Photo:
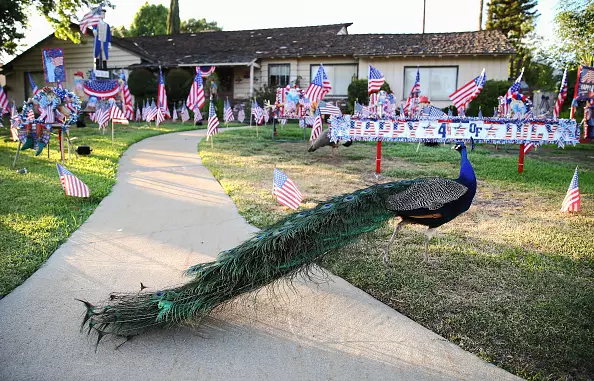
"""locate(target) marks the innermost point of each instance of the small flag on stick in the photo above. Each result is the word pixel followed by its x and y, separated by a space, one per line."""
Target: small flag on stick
pixel 285 190
pixel 71 184
pixel 571 203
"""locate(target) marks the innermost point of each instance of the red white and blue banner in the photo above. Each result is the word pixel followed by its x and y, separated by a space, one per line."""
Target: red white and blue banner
pixel 485 130
pixel 205 71
pixel 101 88
pixel 584 86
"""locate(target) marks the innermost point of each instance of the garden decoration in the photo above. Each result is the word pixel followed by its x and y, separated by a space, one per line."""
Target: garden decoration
pixel 286 250
pixel 55 107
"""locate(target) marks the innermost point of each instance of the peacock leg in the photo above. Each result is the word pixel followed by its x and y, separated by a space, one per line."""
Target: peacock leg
pixel 428 235
pixel 387 251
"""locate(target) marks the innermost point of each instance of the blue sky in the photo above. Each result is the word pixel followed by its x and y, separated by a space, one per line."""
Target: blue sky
pixel 400 16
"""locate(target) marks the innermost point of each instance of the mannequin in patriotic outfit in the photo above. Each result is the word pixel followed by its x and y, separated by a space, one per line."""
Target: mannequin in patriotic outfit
pixel 102 34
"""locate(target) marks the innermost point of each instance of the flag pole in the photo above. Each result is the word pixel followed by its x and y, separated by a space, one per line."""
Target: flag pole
pixel 112 132
pixel 16 157
pixel 521 159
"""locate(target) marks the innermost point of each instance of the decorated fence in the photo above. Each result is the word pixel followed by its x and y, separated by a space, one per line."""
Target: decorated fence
pixel 486 130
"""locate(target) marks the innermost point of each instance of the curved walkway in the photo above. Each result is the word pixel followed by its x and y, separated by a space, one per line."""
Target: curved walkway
pixel 165 213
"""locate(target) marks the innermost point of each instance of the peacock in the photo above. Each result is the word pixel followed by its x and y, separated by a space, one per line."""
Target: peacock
pixel 285 250
pixel 324 140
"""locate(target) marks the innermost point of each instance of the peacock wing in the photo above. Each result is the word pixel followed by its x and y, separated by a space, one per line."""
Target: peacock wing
pixel 429 194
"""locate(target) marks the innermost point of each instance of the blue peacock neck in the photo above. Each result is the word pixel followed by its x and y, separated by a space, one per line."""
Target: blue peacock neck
pixel 467 176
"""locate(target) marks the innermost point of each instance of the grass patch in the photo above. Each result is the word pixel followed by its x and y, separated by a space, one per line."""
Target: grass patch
pixel 35 215
pixel 515 279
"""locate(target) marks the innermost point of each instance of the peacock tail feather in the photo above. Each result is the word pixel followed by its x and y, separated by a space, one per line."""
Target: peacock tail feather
pixel 281 251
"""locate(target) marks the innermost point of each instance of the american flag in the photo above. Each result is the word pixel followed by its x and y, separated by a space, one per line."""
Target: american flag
pixel 127 97
pixel 159 116
pixel 90 20
pixel 162 95
pixel 228 112
pixel 328 108
pixel 316 129
pixel 285 190
pixel 151 114
pixel 34 88
pixel 15 118
pixel 433 112
pixel 361 111
pixel 319 87
pixel 3 102
pixel 196 96
pixel 145 109
pixel 185 114
pixel 465 94
pixel 265 114
pixel 375 80
pixel 138 114
pixel 197 115
pixel 117 115
pixel 175 116
pixel 571 203
pixel 412 101
pixel 47 115
pixel 213 121
pixel 102 116
pixel 512 92
pixel 30 114
pixel 257 113
pixel 241 114
pixel 71 184
pixel 562 95
pixel 528 146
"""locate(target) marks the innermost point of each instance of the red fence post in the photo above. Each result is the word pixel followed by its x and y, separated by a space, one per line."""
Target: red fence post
pixel 521 159
pixel 378 158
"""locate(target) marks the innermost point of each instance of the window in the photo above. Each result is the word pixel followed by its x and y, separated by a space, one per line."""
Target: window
pixel 278 75
pixel 437 83
pixel 339 75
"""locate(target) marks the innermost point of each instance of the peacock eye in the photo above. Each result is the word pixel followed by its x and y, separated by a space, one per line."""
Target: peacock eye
pixel 388 185
pixel 326 206
pixel 301 214
pixel 349 198
pixel 365 191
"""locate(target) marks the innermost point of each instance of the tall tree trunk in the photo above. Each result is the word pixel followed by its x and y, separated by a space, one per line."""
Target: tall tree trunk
pixel 173 22
pixel 481 14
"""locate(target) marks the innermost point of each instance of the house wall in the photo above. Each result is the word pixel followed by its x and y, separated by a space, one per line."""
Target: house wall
pixel 496 67
pixel 77 57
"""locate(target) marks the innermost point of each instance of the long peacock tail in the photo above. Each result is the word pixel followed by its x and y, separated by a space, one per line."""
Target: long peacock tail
pixel 281 251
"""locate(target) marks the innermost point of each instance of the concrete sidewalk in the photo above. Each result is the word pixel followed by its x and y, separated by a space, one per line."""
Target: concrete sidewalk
pixel 165 213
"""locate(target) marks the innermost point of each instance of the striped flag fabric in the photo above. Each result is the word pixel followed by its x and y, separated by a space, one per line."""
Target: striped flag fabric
pixel 185 114
pixel 196 97
pixel 102 117
pixel 571 202
pixel 561 97
pixel 528 146
pixel 30 115
pixel 116 115
pixel 361 111
pixel 3 102
pixel 433 112
pixel 375 80
pixel 15 118
pixel 412 102
pixel 145 109
pixel 34 88
pixel 316 129
pixel 228 112
pixel 327 108
pixel 71 184
pixel 257 112
pixel 285 190
pixel 465 94
pixel 90 19
pixel 319 86
pixel 241 114
pixel 138 114
pixel 197 115
pixel 159 116
pixel 127 98
pixel 162 95
pixel 47 115
pixel 175 116
pixel 213 121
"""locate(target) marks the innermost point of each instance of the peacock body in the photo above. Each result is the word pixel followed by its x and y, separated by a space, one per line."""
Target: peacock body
pixel 285 250
pixel 324 140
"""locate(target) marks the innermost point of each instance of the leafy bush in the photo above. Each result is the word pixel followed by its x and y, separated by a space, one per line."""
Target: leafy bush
pixel 487 99
pixel 178 83
pixel 358 91
pixel 143 85
pixel 265 93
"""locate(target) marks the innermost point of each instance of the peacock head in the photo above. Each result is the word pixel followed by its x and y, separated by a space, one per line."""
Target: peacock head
pixel 460 146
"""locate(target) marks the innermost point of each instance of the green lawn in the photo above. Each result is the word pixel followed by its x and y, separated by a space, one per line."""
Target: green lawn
pixel 514 281
pixel 35 215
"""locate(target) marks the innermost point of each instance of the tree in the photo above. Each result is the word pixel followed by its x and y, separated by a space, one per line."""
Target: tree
pixel 14 18
pixel 173 23
pixel 150 20
pixel 487 100
pixel 575 28
pixel 194 26
pixel 515 19
pixel 481 7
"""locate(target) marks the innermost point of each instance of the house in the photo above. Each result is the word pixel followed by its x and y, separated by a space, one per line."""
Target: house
pixel 248 59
